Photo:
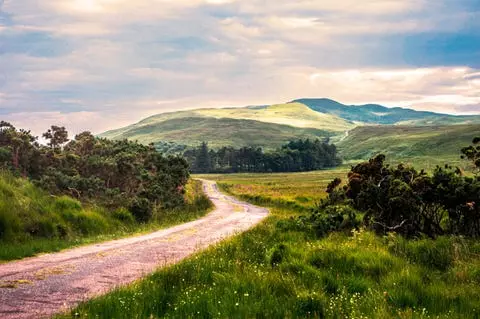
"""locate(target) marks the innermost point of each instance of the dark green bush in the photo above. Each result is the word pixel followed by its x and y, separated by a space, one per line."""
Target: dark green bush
pixel 142 209
pixel 332 218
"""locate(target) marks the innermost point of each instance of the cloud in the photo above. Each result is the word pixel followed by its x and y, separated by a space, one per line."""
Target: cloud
pixel 99 64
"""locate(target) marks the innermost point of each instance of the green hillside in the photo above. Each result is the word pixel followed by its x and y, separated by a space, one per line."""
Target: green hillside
pixel 271 126
pixel 217 131
pixel 378 114
pixel 293 114
pixel 426 144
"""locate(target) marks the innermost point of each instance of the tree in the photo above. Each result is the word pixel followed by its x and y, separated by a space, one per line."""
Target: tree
pixel 57 136
pixel 203 162
pixel 472 152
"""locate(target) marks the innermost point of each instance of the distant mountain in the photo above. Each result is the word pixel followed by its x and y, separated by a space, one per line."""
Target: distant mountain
pixel 378 114
pixel 270 126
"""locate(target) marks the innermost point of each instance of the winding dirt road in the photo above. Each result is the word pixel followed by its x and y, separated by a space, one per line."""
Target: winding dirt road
pixel 39 287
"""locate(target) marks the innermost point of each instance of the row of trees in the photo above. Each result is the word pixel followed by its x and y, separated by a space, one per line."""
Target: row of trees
pixel 116 173
pixel 412 202
pixel 296 156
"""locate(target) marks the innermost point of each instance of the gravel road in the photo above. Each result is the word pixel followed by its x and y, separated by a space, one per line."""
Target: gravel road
pixel 42 286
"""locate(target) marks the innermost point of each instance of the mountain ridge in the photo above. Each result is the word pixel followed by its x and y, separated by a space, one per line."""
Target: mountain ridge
pixel 269 126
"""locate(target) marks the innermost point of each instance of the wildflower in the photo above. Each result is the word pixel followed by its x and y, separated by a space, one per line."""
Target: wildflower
pixel 237 304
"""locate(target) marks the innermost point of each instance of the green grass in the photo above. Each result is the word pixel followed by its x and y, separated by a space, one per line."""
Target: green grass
pixel 278 271
pixel 32 222
pixel 424 147
pixel 282 190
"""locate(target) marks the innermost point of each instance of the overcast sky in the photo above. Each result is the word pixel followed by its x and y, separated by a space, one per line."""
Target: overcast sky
pixel 101 64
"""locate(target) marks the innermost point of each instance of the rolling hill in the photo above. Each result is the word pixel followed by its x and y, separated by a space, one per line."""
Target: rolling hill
pixel 426 145
pixel 218 132
pixel 372 128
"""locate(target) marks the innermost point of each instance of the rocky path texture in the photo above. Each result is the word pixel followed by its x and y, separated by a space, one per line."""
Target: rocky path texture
pixel 42 286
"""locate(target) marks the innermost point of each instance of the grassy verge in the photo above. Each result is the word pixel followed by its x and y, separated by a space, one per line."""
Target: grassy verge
pixel 277 271
pixel 33 222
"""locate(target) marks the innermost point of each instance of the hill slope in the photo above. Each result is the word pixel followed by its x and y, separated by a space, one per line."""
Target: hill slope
pixel 378 114
pixel 272 125
pixel 426 144
pixel 217 131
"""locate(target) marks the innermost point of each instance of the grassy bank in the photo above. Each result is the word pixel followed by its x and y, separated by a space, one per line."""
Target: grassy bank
pixel 278 271
pixel 32 221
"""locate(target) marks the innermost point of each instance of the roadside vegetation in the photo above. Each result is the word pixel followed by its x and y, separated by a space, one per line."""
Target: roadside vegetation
pixel 32 221
pixel 88 189
pixel 286 268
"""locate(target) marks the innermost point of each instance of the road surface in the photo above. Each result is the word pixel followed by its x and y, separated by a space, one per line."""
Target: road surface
pixel 42 286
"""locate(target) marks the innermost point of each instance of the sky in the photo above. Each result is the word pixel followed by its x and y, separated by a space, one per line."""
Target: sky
pixel 101 64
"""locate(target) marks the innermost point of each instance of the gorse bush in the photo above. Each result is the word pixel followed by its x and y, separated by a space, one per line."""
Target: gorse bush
pixel 413 203
pixel 113 174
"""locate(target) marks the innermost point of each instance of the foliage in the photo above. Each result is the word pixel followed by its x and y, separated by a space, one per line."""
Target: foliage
pixel 338 276
pixel 295 156
pixel 332 218
pixel 112 173
pixel 357 275
pixel 32 221
pixel 472 152
pixel 411 202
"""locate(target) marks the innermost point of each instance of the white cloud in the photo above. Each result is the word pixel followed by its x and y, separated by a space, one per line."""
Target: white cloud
pixel 88 59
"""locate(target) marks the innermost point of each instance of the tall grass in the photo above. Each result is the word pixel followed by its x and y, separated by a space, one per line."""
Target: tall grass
pixel 32 221
pixel 273 271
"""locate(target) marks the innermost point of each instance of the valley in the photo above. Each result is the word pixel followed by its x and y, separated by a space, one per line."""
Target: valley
pixel 305 214
pixel 279 270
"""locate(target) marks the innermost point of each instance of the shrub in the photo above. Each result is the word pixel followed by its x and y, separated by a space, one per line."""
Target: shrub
pixel 332 218
pixel 142 209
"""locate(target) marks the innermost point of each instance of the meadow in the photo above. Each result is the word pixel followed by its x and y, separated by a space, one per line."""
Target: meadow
pixel 278 270
pixel 32 221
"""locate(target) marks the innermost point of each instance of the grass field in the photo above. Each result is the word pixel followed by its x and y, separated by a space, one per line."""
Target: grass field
pixel 278 271
pixel 298 191
pixel 33 222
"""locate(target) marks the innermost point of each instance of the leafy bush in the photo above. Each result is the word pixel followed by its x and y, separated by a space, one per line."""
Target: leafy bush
pixel 142 209
pixel 92 169
pixel 407 201
pixel 331 218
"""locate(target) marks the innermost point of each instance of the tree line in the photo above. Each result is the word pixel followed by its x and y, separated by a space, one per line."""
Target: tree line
pixel 404 200
pixel 295 156
pixel 112 173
